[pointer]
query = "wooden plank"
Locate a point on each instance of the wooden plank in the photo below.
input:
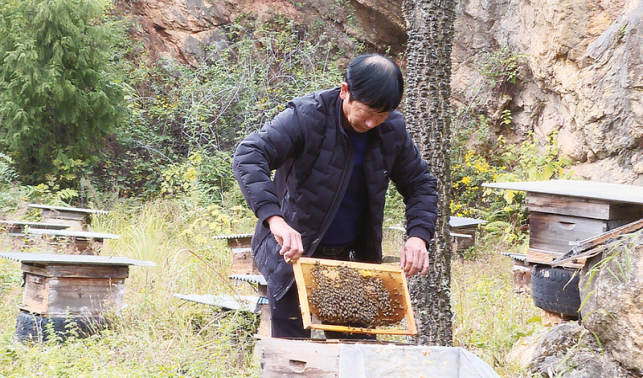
(35, 296)
(287, 358)
(581, 207)
(243, 261)
(71, 224)
(77, 271)
(302, 292)
(535, 256)
(84, 295)
(554, 233)
(67, 215)
(265, 322)
(570, 206)
(393, 279)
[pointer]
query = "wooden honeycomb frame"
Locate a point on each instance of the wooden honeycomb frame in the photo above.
(392, 277)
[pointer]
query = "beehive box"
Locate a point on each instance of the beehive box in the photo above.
(329, 296)
(56, 290)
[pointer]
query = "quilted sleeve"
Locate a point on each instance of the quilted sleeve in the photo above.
(260, 153)
(418, 187)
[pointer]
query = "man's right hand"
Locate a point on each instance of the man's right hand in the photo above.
(290, 240)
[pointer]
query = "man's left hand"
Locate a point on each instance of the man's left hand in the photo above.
(414, 257)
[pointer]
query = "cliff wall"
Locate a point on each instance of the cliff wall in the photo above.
(582, 74)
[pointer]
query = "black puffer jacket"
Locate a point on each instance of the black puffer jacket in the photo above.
(313, 158)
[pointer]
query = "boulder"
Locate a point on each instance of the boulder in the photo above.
(611, 284)
(569, 350)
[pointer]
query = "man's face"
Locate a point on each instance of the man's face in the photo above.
(360, 117)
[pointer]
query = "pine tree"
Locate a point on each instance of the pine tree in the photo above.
(58, 98)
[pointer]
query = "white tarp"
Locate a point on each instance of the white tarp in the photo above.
(386, 361)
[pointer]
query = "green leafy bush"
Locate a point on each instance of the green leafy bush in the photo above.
(58, 94)
(178, 111)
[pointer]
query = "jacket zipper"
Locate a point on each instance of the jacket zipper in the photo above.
(335, 202)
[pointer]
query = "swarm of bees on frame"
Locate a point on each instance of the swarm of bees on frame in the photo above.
(342, 295)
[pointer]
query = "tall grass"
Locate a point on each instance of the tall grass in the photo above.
(158, 335)
(155, 334)
(489, 317)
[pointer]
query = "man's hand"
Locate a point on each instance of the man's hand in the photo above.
(290, 240)
(414, 257)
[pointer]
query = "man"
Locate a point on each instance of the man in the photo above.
(334, 152)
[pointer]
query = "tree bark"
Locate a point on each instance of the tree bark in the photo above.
(427, 111)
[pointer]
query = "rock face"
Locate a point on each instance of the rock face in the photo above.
(583, 75)
(182, 28)
(613, 310)
(568, 350)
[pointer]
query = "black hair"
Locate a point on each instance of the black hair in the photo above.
(375, 81)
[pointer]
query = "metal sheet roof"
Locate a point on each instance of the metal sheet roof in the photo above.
(464, 221)
(254, 278)
(68, 209)
(580, 189)
(53, 258)
(34, 224)
(236, 236)
(244, 303)
(454, 222)
(77, 234)
(516, 256)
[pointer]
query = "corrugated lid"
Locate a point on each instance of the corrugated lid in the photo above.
(68, 209)
(77, 234)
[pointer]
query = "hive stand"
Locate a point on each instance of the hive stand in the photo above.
(58, 288)
(78, 219)
(521, 273)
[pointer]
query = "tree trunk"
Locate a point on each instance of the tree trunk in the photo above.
(428, 74)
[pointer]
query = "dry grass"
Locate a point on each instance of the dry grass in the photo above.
(159, 335)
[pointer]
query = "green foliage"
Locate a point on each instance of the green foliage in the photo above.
(58, 97)
(503, 209)
(7, 173)
(499, 67)
(468, 177)
(489, 318)
(10, 190)
(179, 110)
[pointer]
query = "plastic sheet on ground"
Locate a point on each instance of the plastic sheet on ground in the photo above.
(373, 361)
